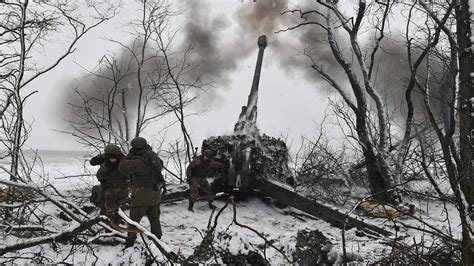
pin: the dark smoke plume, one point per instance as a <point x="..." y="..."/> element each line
<point x="261" y="17"/>
<point x="214" y="55"/>
<point x="391" y="70"/>
<point x="287" y="48"/>
<point x="218" y="53"/>
<point x="218" y="48"/>
<point x="118" y="70"/>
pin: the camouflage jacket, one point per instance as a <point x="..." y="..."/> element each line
<point x="143" y="167"/>
<point x="144" y="196"/>
<point x="200" y="168"/>
<point x="108" y="174"/>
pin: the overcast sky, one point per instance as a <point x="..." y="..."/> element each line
<point x="288" y="104"/>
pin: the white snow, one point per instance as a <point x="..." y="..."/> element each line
<point x="183" y="230"/>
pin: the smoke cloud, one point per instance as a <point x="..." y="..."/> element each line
<point x="261" y="17"/>
<point x="265" y="17"/>
<point x="219" y="47"/>
<point x="115" y="74"/>
<point x="216" y="53"/>
<point x="211" y="54"/>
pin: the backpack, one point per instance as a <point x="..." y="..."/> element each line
<point x="156" y="176"/>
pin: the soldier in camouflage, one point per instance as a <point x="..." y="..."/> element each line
<point x="112" y="182"/>
<point x="143" y="167"/>
<point x="197" y="172"/>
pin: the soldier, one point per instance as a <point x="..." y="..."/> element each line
<point x="143" y="167"/>
<point x="197" y="172"/>
<point x="113" y="183"/>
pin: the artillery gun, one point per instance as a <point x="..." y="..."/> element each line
<point x="258" y="164"/>
<point x="250" y="155"/>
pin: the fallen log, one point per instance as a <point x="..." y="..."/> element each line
<point x="176" y="192"/>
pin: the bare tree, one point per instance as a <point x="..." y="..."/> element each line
<point x="437" y="49"/>
<point x="363" y="94"/>
<point x="113" y="105"/>
<point x="180" y="92"/>
<point x="466" y="97"/>
<point x="25" y="29"/>
<point x="129" y="91"/>
<point x="446" y="126"/>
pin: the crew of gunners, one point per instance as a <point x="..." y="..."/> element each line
<point x="139" y="174"/>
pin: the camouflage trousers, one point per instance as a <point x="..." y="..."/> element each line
<point x="199" y="182"/>
<point x="114" y="197"/>
<point x="153" y="214"/>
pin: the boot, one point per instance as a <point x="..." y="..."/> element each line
<point x="190" y="207"/>
<point x="212" y="206"/>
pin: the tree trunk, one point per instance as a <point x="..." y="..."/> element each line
<point x="377" y="170"/>
<point x="467" y="247"/>
<point x="379" y="180"/>
<point x="466" y="93"/>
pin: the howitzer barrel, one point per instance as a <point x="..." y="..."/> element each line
<point x="248" y="116"/>
<point x="252" y="100"/>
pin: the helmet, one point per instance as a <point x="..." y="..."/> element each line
<point x="208" y="153"/>
<point x="138" y="143"/>
<point x="112" y="149"/>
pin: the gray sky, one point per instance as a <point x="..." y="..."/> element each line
<point x="287" y="103"/>
<point x="292" y="98"/>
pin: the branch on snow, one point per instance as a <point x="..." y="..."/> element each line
<point x="59" y="237"/>
<point x="31" y="185"/>
<point x="61" y="203"/>
<point x="11" y="227"/>
<point x="164" y="249"/>
<point x="11" y="206"/>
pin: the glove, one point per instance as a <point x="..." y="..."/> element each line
<point x="97" y="160"/>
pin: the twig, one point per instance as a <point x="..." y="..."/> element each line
<point x="68" y="234"/>
<point x="210" y="232"/>
<point x="267" y="242"/>
<point x="395" y="254"/>
<point x="165" y="250"/>
<point x="210" y="219"/>
<point x="68" y="176"/>
<point x="199" y="231"/>
<point x="10" y="227"/>
<point x="149" y="250"/>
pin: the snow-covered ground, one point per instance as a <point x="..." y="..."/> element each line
<point x="183" y="230"/>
